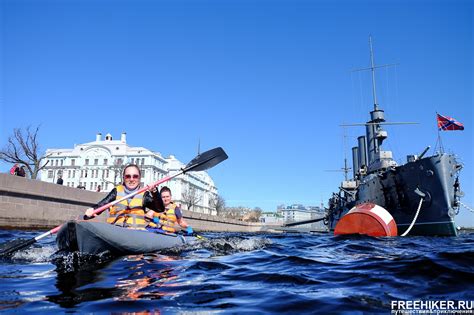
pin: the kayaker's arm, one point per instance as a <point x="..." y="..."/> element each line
<point x="179" y="216"/>
<point x="109" y="198"/>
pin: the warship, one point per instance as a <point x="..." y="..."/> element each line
<point x="422" y="195"/>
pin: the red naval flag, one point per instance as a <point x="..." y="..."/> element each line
<point x="448" y="123"/>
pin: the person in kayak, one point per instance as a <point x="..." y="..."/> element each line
<point x="132" y="211"/>
<point x="172" y="214"/>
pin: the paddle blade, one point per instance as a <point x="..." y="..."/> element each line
<point x="10" y="247"/>
<point x="206" y="160"/>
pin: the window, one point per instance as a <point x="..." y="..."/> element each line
<point x="62" y="162"/>
<point x="96" y="161"/>
<point x="73" y="162"/>
<point x="105" y="161"/>
<point x="57" y="162"/>
<point x="90" y="187"/>
<point x="69" y="173"/>
<point x="107" y="173"/>
<point x="143" y="173"/>
<point x="73" y="173"/>
<point x="50" y="174"/>
<point x="85" y="173"/>
<point x="143" y="161"/>
<point x="87" y="162"/>
<point x="131" y="160"/>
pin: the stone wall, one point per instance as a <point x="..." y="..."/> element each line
<point x="33" y="204"/>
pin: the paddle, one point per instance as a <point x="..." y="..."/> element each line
<point x="160" y="231"/>
<point x="201" y="162"/>
<point x="304" y="222"/>
<point x="184" y="232"/>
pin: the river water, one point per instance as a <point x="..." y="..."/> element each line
<point x="232" y="273"/>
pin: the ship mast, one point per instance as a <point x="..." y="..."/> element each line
<point x="370" y="145"/>
<point x="372" y="68"/>
<point x="375" y="134"/>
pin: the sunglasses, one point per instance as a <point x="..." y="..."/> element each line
<point x="128" y="176"/>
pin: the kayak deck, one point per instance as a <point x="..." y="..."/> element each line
<point x="94" y="238"/>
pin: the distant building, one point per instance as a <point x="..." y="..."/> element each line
<point x="101" y="162"/>
<point x="298" y="212"/>
<point x="271" y="218"/>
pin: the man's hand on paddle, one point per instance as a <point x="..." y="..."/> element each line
<point x="89" y="214"/>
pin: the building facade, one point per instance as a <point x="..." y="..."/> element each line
<point x="98" y="166"/>
<point x="271" y="218"/>
<point x="297" y="212"/>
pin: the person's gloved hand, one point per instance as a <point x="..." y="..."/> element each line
<point x="156" y="220"/>
<point x="189" y="230"/>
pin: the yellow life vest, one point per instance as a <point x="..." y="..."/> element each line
<point x="168" y="218"/>
<point x="127" y="213"/>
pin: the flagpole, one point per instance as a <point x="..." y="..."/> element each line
<point x="441" y="149"/>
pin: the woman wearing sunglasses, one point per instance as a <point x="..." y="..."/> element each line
<point x="130" y="212"/>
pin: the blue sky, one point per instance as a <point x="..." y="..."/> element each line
<point x="269" y="81"/>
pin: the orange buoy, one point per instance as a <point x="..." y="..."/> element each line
<point x="368" y="219"/>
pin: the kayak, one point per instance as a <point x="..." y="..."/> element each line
<point x="94" y="238"/>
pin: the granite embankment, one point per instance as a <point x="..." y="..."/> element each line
<point x="33" y="204"/>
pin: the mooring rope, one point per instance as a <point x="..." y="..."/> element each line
<point x="467" y="207"/>
<point x="414" y="219"/>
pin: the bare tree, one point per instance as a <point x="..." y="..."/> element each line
<point x="191" y="197"/>
<point x="23" y="148"/>
<point x="218" y="204"/>
<point x="243" y="213"/>
<point x="117" y="170"/>
<point x="236" y="213"/>
<point x="256" y="214"/>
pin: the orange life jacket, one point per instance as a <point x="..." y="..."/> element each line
<point x="168" y="218"/>
<point x="127" y="213"/>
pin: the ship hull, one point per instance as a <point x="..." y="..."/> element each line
<point x="399" y="190"/>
